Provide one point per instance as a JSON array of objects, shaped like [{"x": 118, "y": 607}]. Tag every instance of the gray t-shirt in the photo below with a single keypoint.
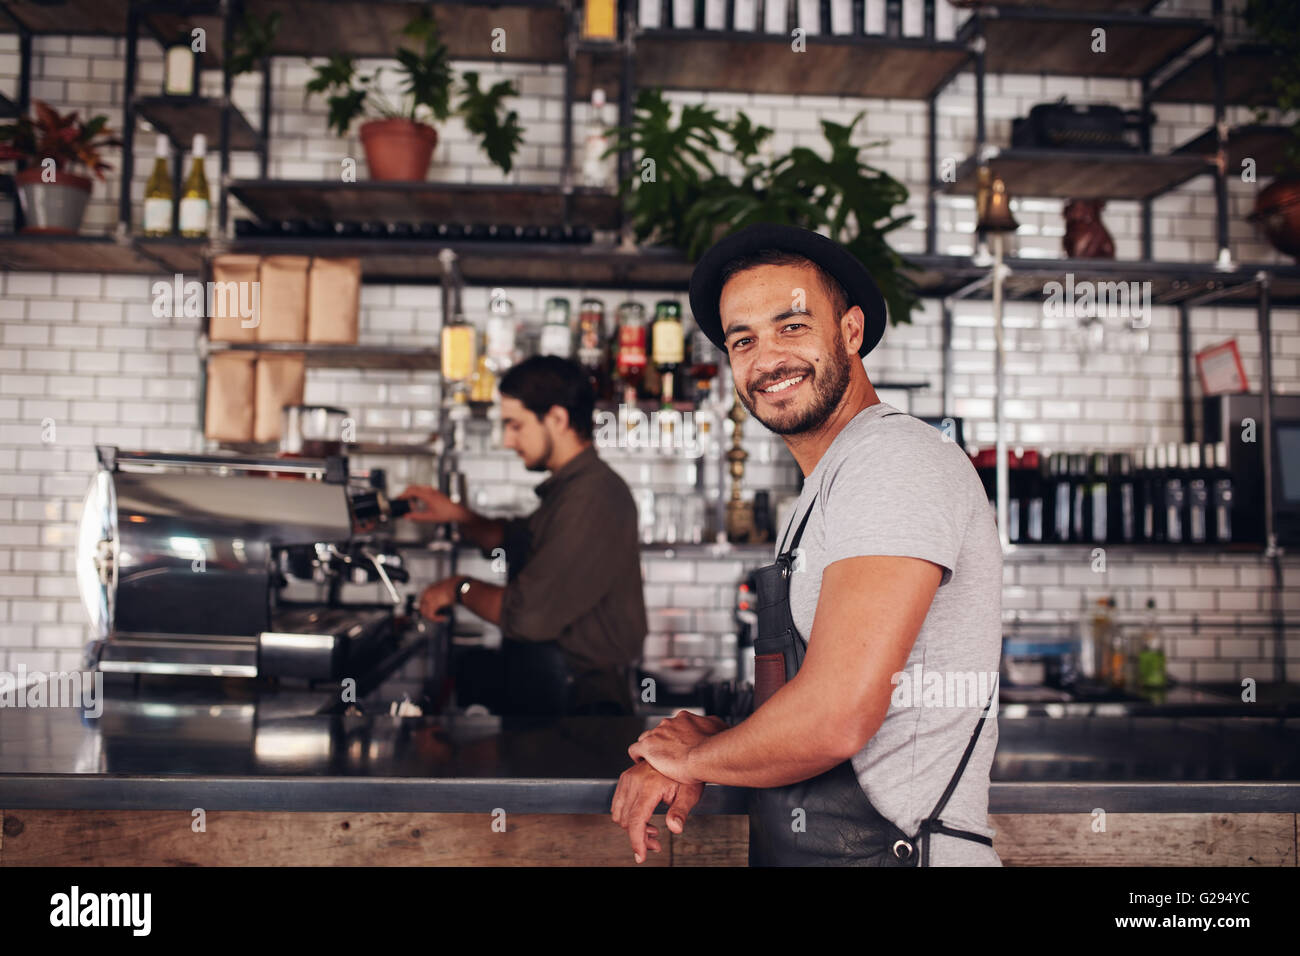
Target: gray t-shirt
[{"x": 889, "y": 484}]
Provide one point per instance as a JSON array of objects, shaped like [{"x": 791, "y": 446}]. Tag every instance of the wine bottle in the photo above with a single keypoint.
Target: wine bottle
[
  {"x": 1175, "y": 494},
  {"x": 195, "y": 202},
  {"x": 1123, "y": 501},
  {"x": 1098, "y": 498},
  {"x": 1220, "y": 491},
  {"x": 669, "y": 346},
  {"x": 159, "y": 202},
  {"x": 1198, "y": 497}
]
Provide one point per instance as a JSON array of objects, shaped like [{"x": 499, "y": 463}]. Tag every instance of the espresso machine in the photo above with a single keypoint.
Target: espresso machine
[{"x": 236, "y": 567}]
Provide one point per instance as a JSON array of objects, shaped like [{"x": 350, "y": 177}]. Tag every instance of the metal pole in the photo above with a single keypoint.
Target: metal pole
[
  {"x": 1145, "y": 134},
  {"x": 227, "y": 82},
  {"x": 1184, "y": 370},
  {"x": 1271, "y": 550},
  {"x": 931, "y": 147},
  {"x": 1001, "y": 446},
  {"x": 128, "y": 124},
  {"x": 1221, "y": 139}
]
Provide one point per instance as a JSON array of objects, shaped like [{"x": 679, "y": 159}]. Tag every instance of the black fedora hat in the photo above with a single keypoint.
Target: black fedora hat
[{"x": 706, "y": 280}]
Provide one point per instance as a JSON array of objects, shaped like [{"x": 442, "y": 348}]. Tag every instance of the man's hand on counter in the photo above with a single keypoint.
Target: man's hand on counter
[
  {"x": 668, "y": 746},
  {"x": 641, "y": 788}
]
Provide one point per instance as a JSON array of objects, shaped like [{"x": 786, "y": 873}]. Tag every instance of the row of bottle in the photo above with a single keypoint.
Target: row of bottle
[
  {"x": 638, "y": 360},
  {"x": 1162, "y": 494},
  {"x": 1124, "y": 660},
  {"x": 195, "y": 200}
]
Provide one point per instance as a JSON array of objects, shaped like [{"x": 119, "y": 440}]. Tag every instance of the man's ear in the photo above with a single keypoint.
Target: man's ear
[
  {"x": 853, "y": 326},
  {"x": 558, "y": 417}
]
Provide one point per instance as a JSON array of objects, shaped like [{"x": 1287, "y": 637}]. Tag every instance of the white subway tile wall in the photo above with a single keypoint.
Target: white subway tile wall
[{"x": 83, "y": 360}]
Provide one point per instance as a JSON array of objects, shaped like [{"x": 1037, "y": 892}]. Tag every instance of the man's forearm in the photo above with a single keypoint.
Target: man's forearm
[
  {"x": 485, "y": 532},
  {"x": 484, "y": 599},
  {"x": 784, "y": 741}
]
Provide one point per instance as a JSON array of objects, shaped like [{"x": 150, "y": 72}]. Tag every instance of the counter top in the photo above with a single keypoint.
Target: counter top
[{"x": 172, "y": 744}]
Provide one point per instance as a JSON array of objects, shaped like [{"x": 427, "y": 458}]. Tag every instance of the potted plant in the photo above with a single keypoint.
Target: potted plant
[
  {"x": 397, "y": 142},
  {"x": 690, "y": 204},
  {"x": 1277, "y": 206},
  {"x": 52, "y": 192}
]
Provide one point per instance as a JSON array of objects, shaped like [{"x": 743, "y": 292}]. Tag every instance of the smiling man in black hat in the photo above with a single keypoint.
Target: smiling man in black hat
[{"x": 879, "y": 629}]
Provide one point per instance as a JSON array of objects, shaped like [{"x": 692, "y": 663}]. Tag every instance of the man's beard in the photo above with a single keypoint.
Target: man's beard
[
  {"x": 828, "y": 389},
  {"x": 540, "y": 463}
]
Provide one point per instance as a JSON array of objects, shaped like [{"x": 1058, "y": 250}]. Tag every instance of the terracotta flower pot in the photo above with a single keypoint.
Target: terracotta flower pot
[
  {"x": 1277, "y": 212},
  {"x": 398, "y": 149},
  {"x": 54, "y": 207}
]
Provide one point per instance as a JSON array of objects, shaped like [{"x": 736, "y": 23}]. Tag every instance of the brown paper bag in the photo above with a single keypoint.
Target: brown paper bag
[
  {"x": 236, "y": 299},
  {"x": 279, "y": 383},
  {"x": 334, "y": 301},
  {"x": 284, "y": 299},
  {"x": 229, "y": 414}
]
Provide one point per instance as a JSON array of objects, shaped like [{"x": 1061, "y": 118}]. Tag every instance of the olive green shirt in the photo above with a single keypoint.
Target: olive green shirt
[{"x": 574, "y": 568}]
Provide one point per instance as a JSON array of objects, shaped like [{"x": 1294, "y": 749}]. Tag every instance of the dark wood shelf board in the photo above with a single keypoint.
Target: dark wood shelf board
[
  {"x": 1072, "y": 174},
  {"x": 372, "y": 28},
  {"x": 717, "y": 61},
  {"x": 417, "y": 202},
  {"x": 551, "y": 265},
  {"x": 1248, "y": 78},
  {"x": 180, "y": 117},
  {"x": 44, "y": 253},
  {"x": 271, "y": 449},
  {"x": 1264, "y": 144},
  {"x": 71, "y": 18},
  {"x": 1057, "y": 42},
  {"x": 391, "y": 357}
]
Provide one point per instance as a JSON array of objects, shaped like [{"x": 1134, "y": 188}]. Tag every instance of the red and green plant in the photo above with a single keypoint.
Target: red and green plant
[{"x": 63, "y": 138}]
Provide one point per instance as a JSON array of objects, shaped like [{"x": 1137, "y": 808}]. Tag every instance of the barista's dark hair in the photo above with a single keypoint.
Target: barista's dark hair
[
  {"x": 783, "y": 257},
  {"x": 544, "y": 381}
]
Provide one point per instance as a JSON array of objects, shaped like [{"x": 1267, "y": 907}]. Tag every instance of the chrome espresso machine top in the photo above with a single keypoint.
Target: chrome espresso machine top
[{"x": 184, "y": 563}]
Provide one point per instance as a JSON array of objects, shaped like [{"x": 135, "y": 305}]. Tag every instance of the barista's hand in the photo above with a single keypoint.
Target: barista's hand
[
  {"x": 431, "y": 505},
  {"x": 641, "y": 788},
  {"x": 668, "y": 746},
  {"x": 438, "y": 595}
]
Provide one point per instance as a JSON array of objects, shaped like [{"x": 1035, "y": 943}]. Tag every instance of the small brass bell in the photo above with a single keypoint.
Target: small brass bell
[{"x": 997, "y": 215}]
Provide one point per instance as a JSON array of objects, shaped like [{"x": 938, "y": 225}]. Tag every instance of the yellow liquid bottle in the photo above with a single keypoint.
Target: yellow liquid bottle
[
  {"x": 194, "y": 195},
  {"x": 158, "y": 198}
]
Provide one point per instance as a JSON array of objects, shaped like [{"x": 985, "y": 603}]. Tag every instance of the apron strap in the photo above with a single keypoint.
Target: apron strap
[
  {"x": 802, "y": 524},
  {"x": 932, "y": 824}
]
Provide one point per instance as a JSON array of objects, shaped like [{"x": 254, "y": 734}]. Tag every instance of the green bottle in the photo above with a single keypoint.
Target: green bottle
[{"x": 1151, "y": 658}]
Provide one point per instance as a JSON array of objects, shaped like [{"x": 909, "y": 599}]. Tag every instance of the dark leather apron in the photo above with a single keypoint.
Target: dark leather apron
[{"x": 840, "y": 827}]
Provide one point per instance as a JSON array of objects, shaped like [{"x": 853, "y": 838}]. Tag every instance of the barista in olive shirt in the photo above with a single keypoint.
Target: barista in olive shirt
[{"x": 572, "y": 612}]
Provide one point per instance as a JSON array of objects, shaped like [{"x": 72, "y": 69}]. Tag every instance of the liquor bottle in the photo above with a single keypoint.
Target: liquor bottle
[
  {"x": 1151, "y": 658},
  {"x": 1033, "y": 499},
  {"x": 1220, "y": 492},
  {"x": 704, "y": 365},
  {"x": 499, "y": 346},
  {"x": 1153, "y": 496},
  {"x": 1080, "y": 510},
  {"x": 1098, "y": 495},
  {"x": 1096, "y": 652},
  {"x": 631, "y": 361},
  {"x": 483, "y": 383},
  {"x": 597, "y": 168},
  {"x": 591, "y": 345},
  {"x": 458, "y": 358},
  {"x": 1015, "y": 494},
  {"x": 1122, "y": 501},
  {"x": 159, "y": 202},
  {"x": 1198, "y": 497},
  {"x": 194, "y": 195},
  {"x": 1175, "y": 494},
  {"x": 1060, "y": 487},
  {"x": 557, "y": 333},
  {"x": 668, "y": 346},
  {"x": 1117, "y": 670}
]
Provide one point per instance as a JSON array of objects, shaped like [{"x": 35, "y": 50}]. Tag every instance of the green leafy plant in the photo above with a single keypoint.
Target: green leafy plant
[
  {"x": 690, "y": 204},
  {"x": 254, "y": 38},
  {"x": 62, "y": 138},
  {"x": 1274, "y": 23},
  {"x": 428, "y": 85}
]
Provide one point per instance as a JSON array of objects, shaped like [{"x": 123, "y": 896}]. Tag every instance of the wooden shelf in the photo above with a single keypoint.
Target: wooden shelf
[
  {"x": 389, "y": 357},
  {"x": 134, "y": 256},
  {"x": 70, "y": 18},
  {"x": 1058, "y": 42},
  {"x": 561, "y": 265},
  {"x": 1075, "y": 174},
  {"x": 416, "y": 202},
  {"x": 534, "y": 29},
  {"x": 1264, "y": 144},
  {"x": 180, "y": 117},
  {"x": 741, "y": 61},
  {"x": 1248, "y": 78},
  {"x": 383, "y": 449}
]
